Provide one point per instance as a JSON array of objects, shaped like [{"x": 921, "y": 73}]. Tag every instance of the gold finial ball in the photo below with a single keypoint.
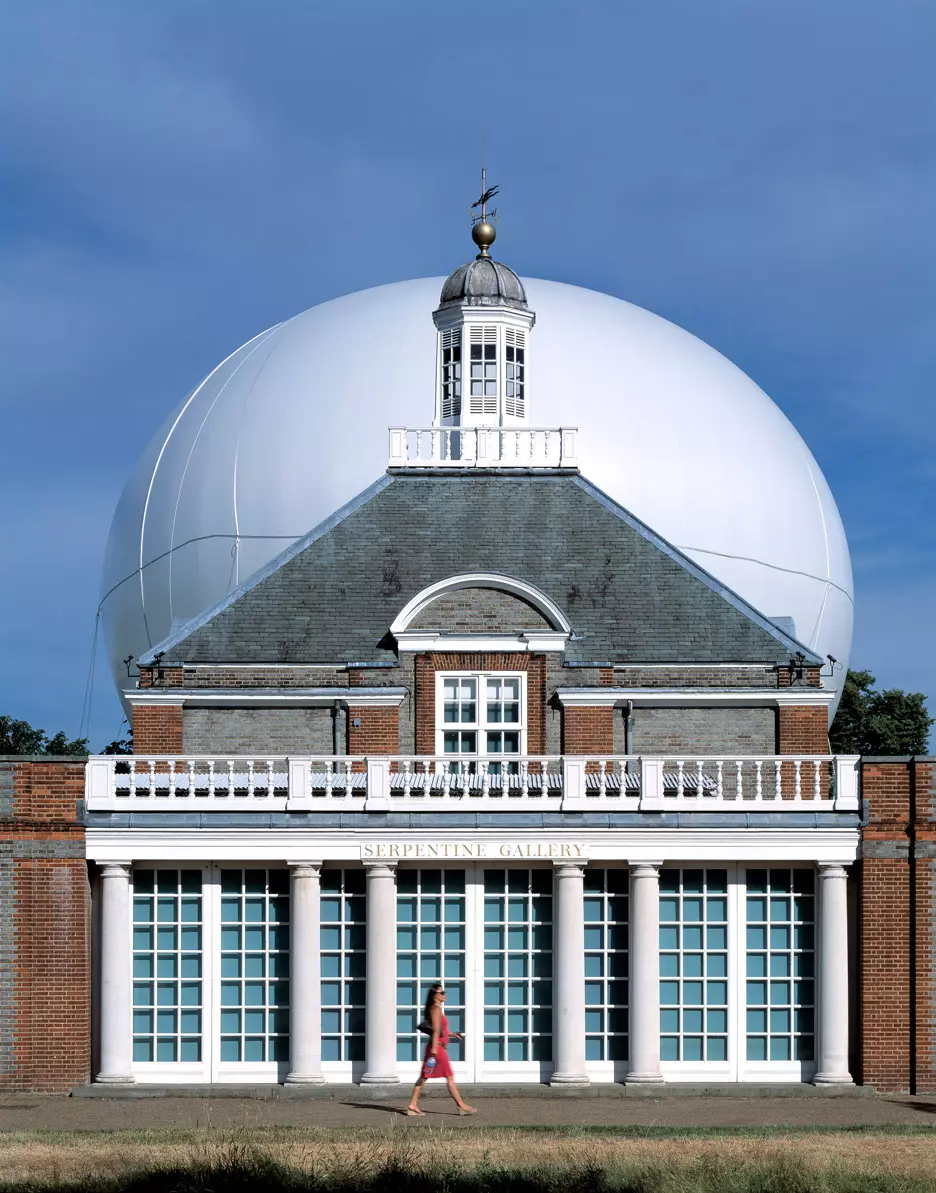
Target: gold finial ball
[{"x": 483, "y": 235}]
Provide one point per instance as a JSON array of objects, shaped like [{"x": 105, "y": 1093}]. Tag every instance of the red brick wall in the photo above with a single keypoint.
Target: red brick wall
[
  {"x": 426, "y": 666},
  {"x": 46, "y": 1043},
  {"x": 378, "y": 731},
  {"x": 588, "y": 730},
  {"x": 897, "y": 923},
  {"x": 802, "y": 729},
  {"x": 157, "y": 729}
]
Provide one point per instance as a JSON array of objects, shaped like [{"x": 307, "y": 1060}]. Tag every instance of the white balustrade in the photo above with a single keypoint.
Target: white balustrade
[
  {"x": 483, "y": 447},
  {"x": 571, "y": 782}
]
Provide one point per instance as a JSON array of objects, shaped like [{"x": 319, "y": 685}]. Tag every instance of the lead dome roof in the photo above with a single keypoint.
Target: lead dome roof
[{"x": 484, "y": 282}]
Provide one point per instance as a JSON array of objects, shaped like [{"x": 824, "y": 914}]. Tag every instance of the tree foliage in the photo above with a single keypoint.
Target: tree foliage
[
  {"x": 879, "y": 723},
  {"x": 19, "y": 737}
]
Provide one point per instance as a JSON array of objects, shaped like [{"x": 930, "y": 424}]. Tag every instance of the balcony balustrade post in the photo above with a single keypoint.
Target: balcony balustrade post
[
  {"x": 378, "y": 785},
  {"x": 299, "y": 794},
  {"x": 846, "y": 783},
  {"x": 397, "y": 447},
  {"x": 573, "y": 784},
  {"x": 651, "y": 784}
]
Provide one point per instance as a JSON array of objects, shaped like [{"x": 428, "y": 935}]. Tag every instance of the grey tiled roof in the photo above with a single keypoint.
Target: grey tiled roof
[
  {"x": 628, "y": 594},
  {"x": 484, "y": 282}
]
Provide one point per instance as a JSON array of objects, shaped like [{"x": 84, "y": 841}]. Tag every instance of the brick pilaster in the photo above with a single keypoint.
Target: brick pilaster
[
  {"x": 897, "y": 925},
  {"x": 377, "y": 731},
  {"x": 588, "y": 730},
  {"x": 157, "y": 729},
  {"x": 45, "y": 1042}
]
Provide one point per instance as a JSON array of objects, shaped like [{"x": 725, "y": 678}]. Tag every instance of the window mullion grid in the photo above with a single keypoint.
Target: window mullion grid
[
  {"x": 343, "y": 963},
  {"x": 780, "y": 913},
  {"x": 606, "y": 964},
  {"x": 430, "y": 948},
  {"x": 518, "y": 942},
  {"x": 168, "y": 988},
  {"x": 694, "y": 965}
]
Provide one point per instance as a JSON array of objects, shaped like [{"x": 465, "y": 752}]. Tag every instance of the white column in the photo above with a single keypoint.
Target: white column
[
  {"x": 644, "y": 1035},
  {"x": 116, "y": 984},
  {"x": 380, "y": 1014},
  {"x": 832, "y": 1027},
  {"x": 569, "y": 976},
  {"x": 305, "y": 1016}
]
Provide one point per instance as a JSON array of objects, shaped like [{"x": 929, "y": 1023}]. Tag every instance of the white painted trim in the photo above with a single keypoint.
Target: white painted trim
[
  {"x": 479, "y": 726},
  {"x": 692, "y": 697},
  {"x": 632, "y": 845},
  {"x": 409, "y": 641},
  {"x": 194, "y": 698},
  {"x": 519, "y": 588}
]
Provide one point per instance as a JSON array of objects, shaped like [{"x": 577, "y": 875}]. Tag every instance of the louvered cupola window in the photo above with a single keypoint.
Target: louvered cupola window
[
  {"x": 451, "y": 374},
  {"x": 483, "y": 394},
  {"x": 516, "y": 373}
]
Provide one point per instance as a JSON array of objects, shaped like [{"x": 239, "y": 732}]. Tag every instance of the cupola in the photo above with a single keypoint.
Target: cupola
[{"x": 483, "y": 324}]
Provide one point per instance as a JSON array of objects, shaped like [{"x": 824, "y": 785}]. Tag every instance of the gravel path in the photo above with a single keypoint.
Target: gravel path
[{"x": 43, "y": 1112}]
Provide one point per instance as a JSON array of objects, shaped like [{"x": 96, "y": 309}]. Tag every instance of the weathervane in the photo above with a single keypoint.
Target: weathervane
[{"x": 482, "y": 230}]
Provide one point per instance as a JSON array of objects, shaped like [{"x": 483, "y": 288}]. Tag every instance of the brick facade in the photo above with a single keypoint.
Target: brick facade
[
  {"x": 588, "y": 730},
  {"x": 426, "y": 666},
  {"x": 373, "y": 730},
  {"x": 803, "y": 729},
  {"x": 897, "y": 926},
  {"x": 45, "y": 1040},
  {"x": 157, "y": 729}
]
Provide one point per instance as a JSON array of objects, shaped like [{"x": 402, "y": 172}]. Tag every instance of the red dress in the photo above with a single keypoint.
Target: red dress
[{"x": 443, "y": 1066}]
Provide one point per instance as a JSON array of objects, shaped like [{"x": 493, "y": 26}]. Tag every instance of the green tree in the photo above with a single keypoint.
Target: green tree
[
  {"x": 19, "y": 737},
  {"x": 882, "y": 723}
]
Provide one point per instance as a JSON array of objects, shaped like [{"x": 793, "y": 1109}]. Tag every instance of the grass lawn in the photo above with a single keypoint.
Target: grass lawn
[{"x": 425, "y": 1159}]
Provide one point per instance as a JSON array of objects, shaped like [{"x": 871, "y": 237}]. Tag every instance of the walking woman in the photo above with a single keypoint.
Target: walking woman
[{"x": 436, "y": 1062}]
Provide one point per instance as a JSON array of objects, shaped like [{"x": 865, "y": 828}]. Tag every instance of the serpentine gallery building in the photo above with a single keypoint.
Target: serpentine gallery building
[{"x": 541, "y": 712}]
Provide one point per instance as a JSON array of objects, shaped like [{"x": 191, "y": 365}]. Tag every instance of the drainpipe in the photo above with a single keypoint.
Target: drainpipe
[
  {"x": 628, "y": 711},
  {"x": 336, "y": 731}
]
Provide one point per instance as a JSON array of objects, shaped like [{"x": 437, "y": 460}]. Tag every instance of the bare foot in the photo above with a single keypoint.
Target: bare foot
[{"x": 467, "y": 1110}]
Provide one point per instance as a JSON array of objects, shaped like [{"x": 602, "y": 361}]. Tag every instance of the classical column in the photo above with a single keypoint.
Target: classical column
[
  {"x": 832, "y": 955},
  {"x": 644, "y": 1035},
  {"x": 116, "y": 983},
  {"x": 305, "y": 1016},
  {"x": 380, "y": 1013},
  {"x": 569, "y": 976}
]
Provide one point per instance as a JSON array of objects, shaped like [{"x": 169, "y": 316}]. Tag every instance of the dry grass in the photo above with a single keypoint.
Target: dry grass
[{"x": 342, "y": 1158}]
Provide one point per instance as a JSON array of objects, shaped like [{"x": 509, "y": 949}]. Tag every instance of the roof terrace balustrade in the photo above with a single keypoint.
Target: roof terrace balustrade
[
  {"x": 483, "y": 447},
  {"x": 788, "y": 783}
]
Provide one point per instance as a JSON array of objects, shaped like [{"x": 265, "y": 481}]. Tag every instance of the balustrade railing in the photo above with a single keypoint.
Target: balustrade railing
[
  {"x": 787, "y": 783},
  {"x": 483, "y": 447}
]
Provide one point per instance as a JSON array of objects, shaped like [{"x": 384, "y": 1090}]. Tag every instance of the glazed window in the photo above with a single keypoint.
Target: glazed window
[
  {"x": 483, "y": 370},
  {"x": 482, "y": 716},
  {"x": 515, "y": 371},
  {"x": 451, "y": 374}
]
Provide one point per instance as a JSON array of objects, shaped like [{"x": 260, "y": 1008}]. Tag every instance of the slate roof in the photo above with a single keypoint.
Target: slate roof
[{"x": 629, "y": 595}]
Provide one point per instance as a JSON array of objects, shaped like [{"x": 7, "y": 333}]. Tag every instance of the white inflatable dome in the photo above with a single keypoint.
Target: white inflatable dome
[{"x": 294, "y": 423}]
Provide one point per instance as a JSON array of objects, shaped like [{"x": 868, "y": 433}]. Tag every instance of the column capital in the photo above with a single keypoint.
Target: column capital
[
  {"x": 376, "y": 865},
  {"x": 309, "y": 869},
  {"x": 115, "y": 869},
  {"x": 833, "y": 869},
  {"x": 575, "y": 864},
  {"x": 644, "y": 869}
]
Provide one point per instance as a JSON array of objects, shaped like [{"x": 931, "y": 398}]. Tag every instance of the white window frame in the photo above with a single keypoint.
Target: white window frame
[{"x": 480, "y": 726}]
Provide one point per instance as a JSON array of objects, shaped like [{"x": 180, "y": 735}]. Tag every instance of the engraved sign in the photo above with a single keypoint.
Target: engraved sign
[{"x": 471, "y": 850}]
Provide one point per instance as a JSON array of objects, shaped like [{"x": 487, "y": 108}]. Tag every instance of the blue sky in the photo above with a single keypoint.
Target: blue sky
[{"x": 178, "y": 176}]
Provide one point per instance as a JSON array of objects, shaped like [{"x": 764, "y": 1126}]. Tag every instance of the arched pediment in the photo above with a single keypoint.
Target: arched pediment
[{"x": 537, "y": 622}]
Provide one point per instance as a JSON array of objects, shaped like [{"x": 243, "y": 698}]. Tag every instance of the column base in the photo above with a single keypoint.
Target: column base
[
  {"x": 380, "y": 1079},
  {"x": 570, "y": 1079},
  {"x": 643, "y": 1079},
  {"x": 304, "y": 1079},
  {"x": 833, "y": 1079},
  {"x": 114, "y": 1079}
]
